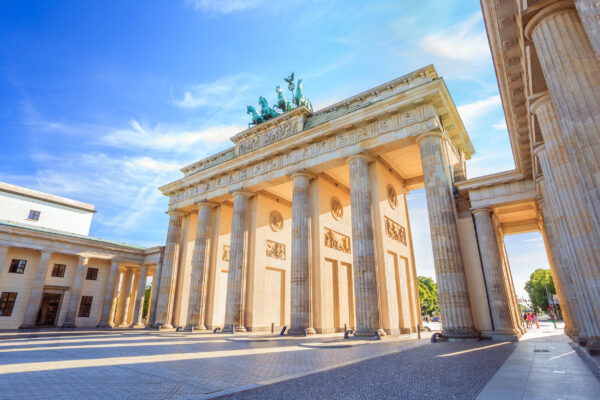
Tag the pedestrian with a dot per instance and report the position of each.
(553, 318)
(529, 320)
(427, 318)
(535, 319)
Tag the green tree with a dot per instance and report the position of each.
(428, 296)
(146, 300)
(539, 281)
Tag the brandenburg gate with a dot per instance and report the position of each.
(303, 222)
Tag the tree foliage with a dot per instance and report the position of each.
(146, 300)
(428, 296)
(539, 281)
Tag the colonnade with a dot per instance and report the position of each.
(569, 121)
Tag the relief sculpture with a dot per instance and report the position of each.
(337, 241)
(395, 231)
(275, 250)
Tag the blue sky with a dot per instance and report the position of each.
(104, 101)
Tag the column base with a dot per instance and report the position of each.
(582, 340)
(230, 329)
(505, 337)
(27, 326)
(593, 345)
(301, 331)
(68, 325)
(460, 333)
(138, 326)
(369, 333)
(195, 327)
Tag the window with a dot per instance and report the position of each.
(85, 306)
(7, 302)
(34, 215)
(17, 266)
(92, 274)
(59, 270)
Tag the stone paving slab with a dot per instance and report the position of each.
(166, 365)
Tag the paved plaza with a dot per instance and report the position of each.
(127, 364)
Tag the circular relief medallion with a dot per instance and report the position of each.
(336, 208)
(392, 196)
(276, 221)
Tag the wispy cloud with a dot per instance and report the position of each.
(471, 112)
(223, 93)
(224, 6)
(500, 125)
(461, 42)
(166, 138)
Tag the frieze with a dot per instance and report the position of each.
(275, 250)
(337, 241)
(395, 231)
(261, 139)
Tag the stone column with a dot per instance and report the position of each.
(155, 290)
(3, 254)
(234, 309)
(494, 279)
(110, 296)
(589, 13)
(37, 289)
(457, 318)
(124, 298)
(200, 267)
(572, 74)
(366, 297)
(575, 258)
(75, 297)
(560, 282)
(300, 271)
(138, 311)
(164, 308)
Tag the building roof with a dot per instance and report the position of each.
(68, 234)
(34, 194)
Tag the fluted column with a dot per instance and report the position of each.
(494, 278)
(124, 297)
(138, 311)
(234, 309)
(577, 261)
(75, 297)
(572, 74)
(155, 290)
(589, 12)
(164, 309)
(561, 282)
(300, 274)
(457, 318)
(110, 296)
(366, 297)
(199, 267)
(37, 289)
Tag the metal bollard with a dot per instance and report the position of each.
(216, 330)
(418, 331)
(282, 331)
(272, 327)
(348, 332)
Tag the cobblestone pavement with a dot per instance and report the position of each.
(433, 371)
(166, 365)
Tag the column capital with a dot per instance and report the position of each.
(205, 202)
(47, 253)
(539, 149)
(241, 192)
(301, 173)
(175, 212)
(426, 135)
(545, 12)
(481, 210)
(358, 156)
(539, 101)
(83, 259)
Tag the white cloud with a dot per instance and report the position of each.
(166, 138)
(223, 93)
(500, 125)
(472, 111)
(224, 6)
(463, 42)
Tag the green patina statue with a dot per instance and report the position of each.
(267, 113)
(256, 118)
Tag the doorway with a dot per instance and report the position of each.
(48, 313)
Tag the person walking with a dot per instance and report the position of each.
(535, 319)
(529, 320)
(553, 318)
